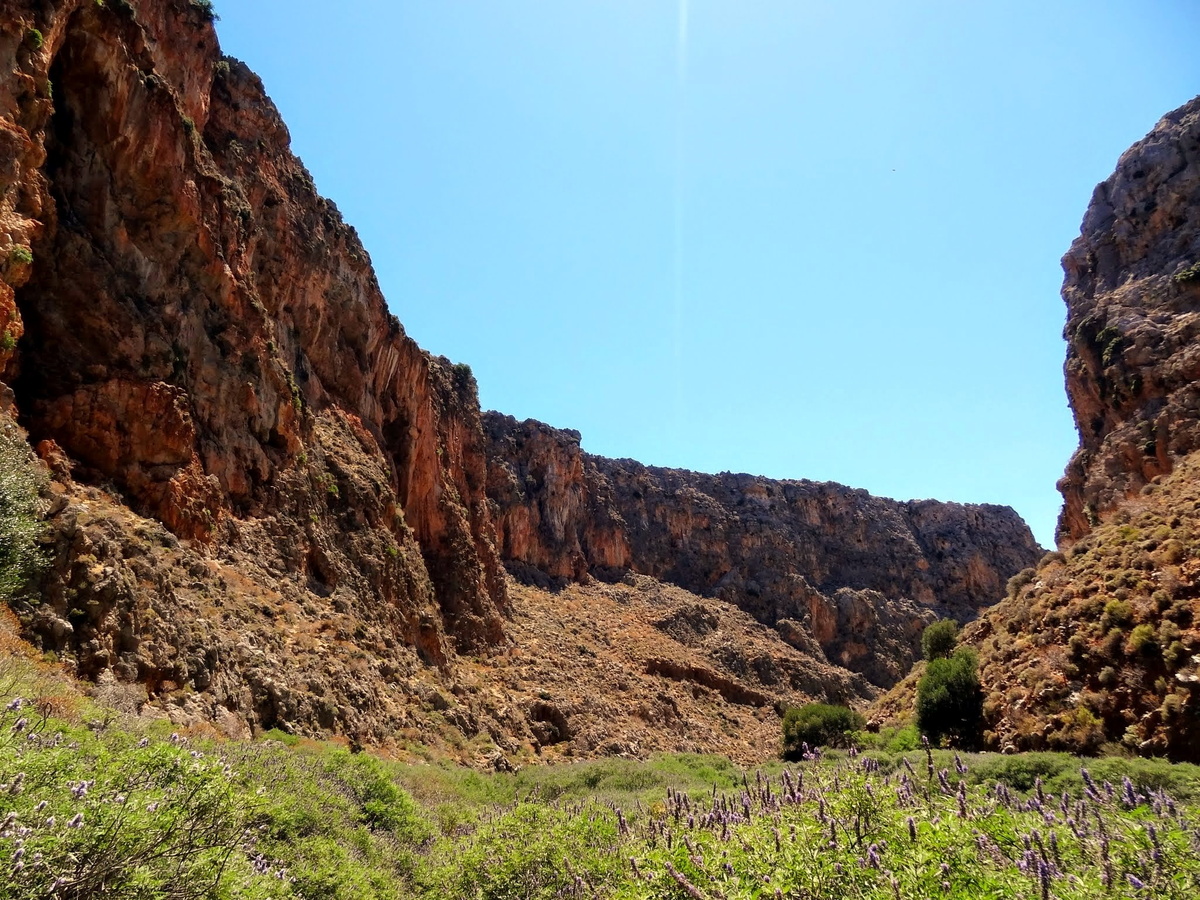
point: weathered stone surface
(191, 327)
(862, 575)
(1133, 319)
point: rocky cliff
(1132, 291)
(190, 327)
(1100, 644)
(835, 570)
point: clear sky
(798, 238)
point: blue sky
(798, 238)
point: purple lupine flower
(873, 856)
(76, 822)
(1136, 883)
(912, 829)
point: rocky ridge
(839, 573)
(1132, 291)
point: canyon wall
(827, 565)
(189, 326)
(1132, 292)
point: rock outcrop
(189, 325)
(1100, 644)
(836, 570)
(1132, 291)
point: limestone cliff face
(187, 324)
(829, 566)
(1132, 291)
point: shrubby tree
(818, 725)
(940, 639)
(949, 699)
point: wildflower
(912, 828)
(15, 705)
(1136, 883)
(76, 822)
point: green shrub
(940, 639)
(8, 343)
(1020, 580)
(205, 8)
(950, 701)
(20, 483)
(1117, 614)
(818, 725)
(1190, 275)
(34, 39)
(1142, 641)
(21, 256)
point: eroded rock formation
(1132, 291)
(833, 568)
(190, 325)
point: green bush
(205, 8)
(1190, 275)
(819, 725)
(1020, 580)
(34, 38)
(20, 483)
(1143, 641)
(21, 256)
(940, 639)
(1117, 614)
(950, 701)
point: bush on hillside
(20, 482)
(818, 725)
(950, 700)
(940, 639)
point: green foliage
(940, 639)
(949, 699)
(1143, 640)
(819, 725)
(34, 39)
(530, 852)
(205, 8)
(1190, 275)
(1020, 580)
(8, 343)
(21, 256)
(20, 483)
(1117, 614)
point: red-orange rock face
(860, 575)
(1132, 354)
(195, 328)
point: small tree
(950, 700)
(940, 639)
(818, 725)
